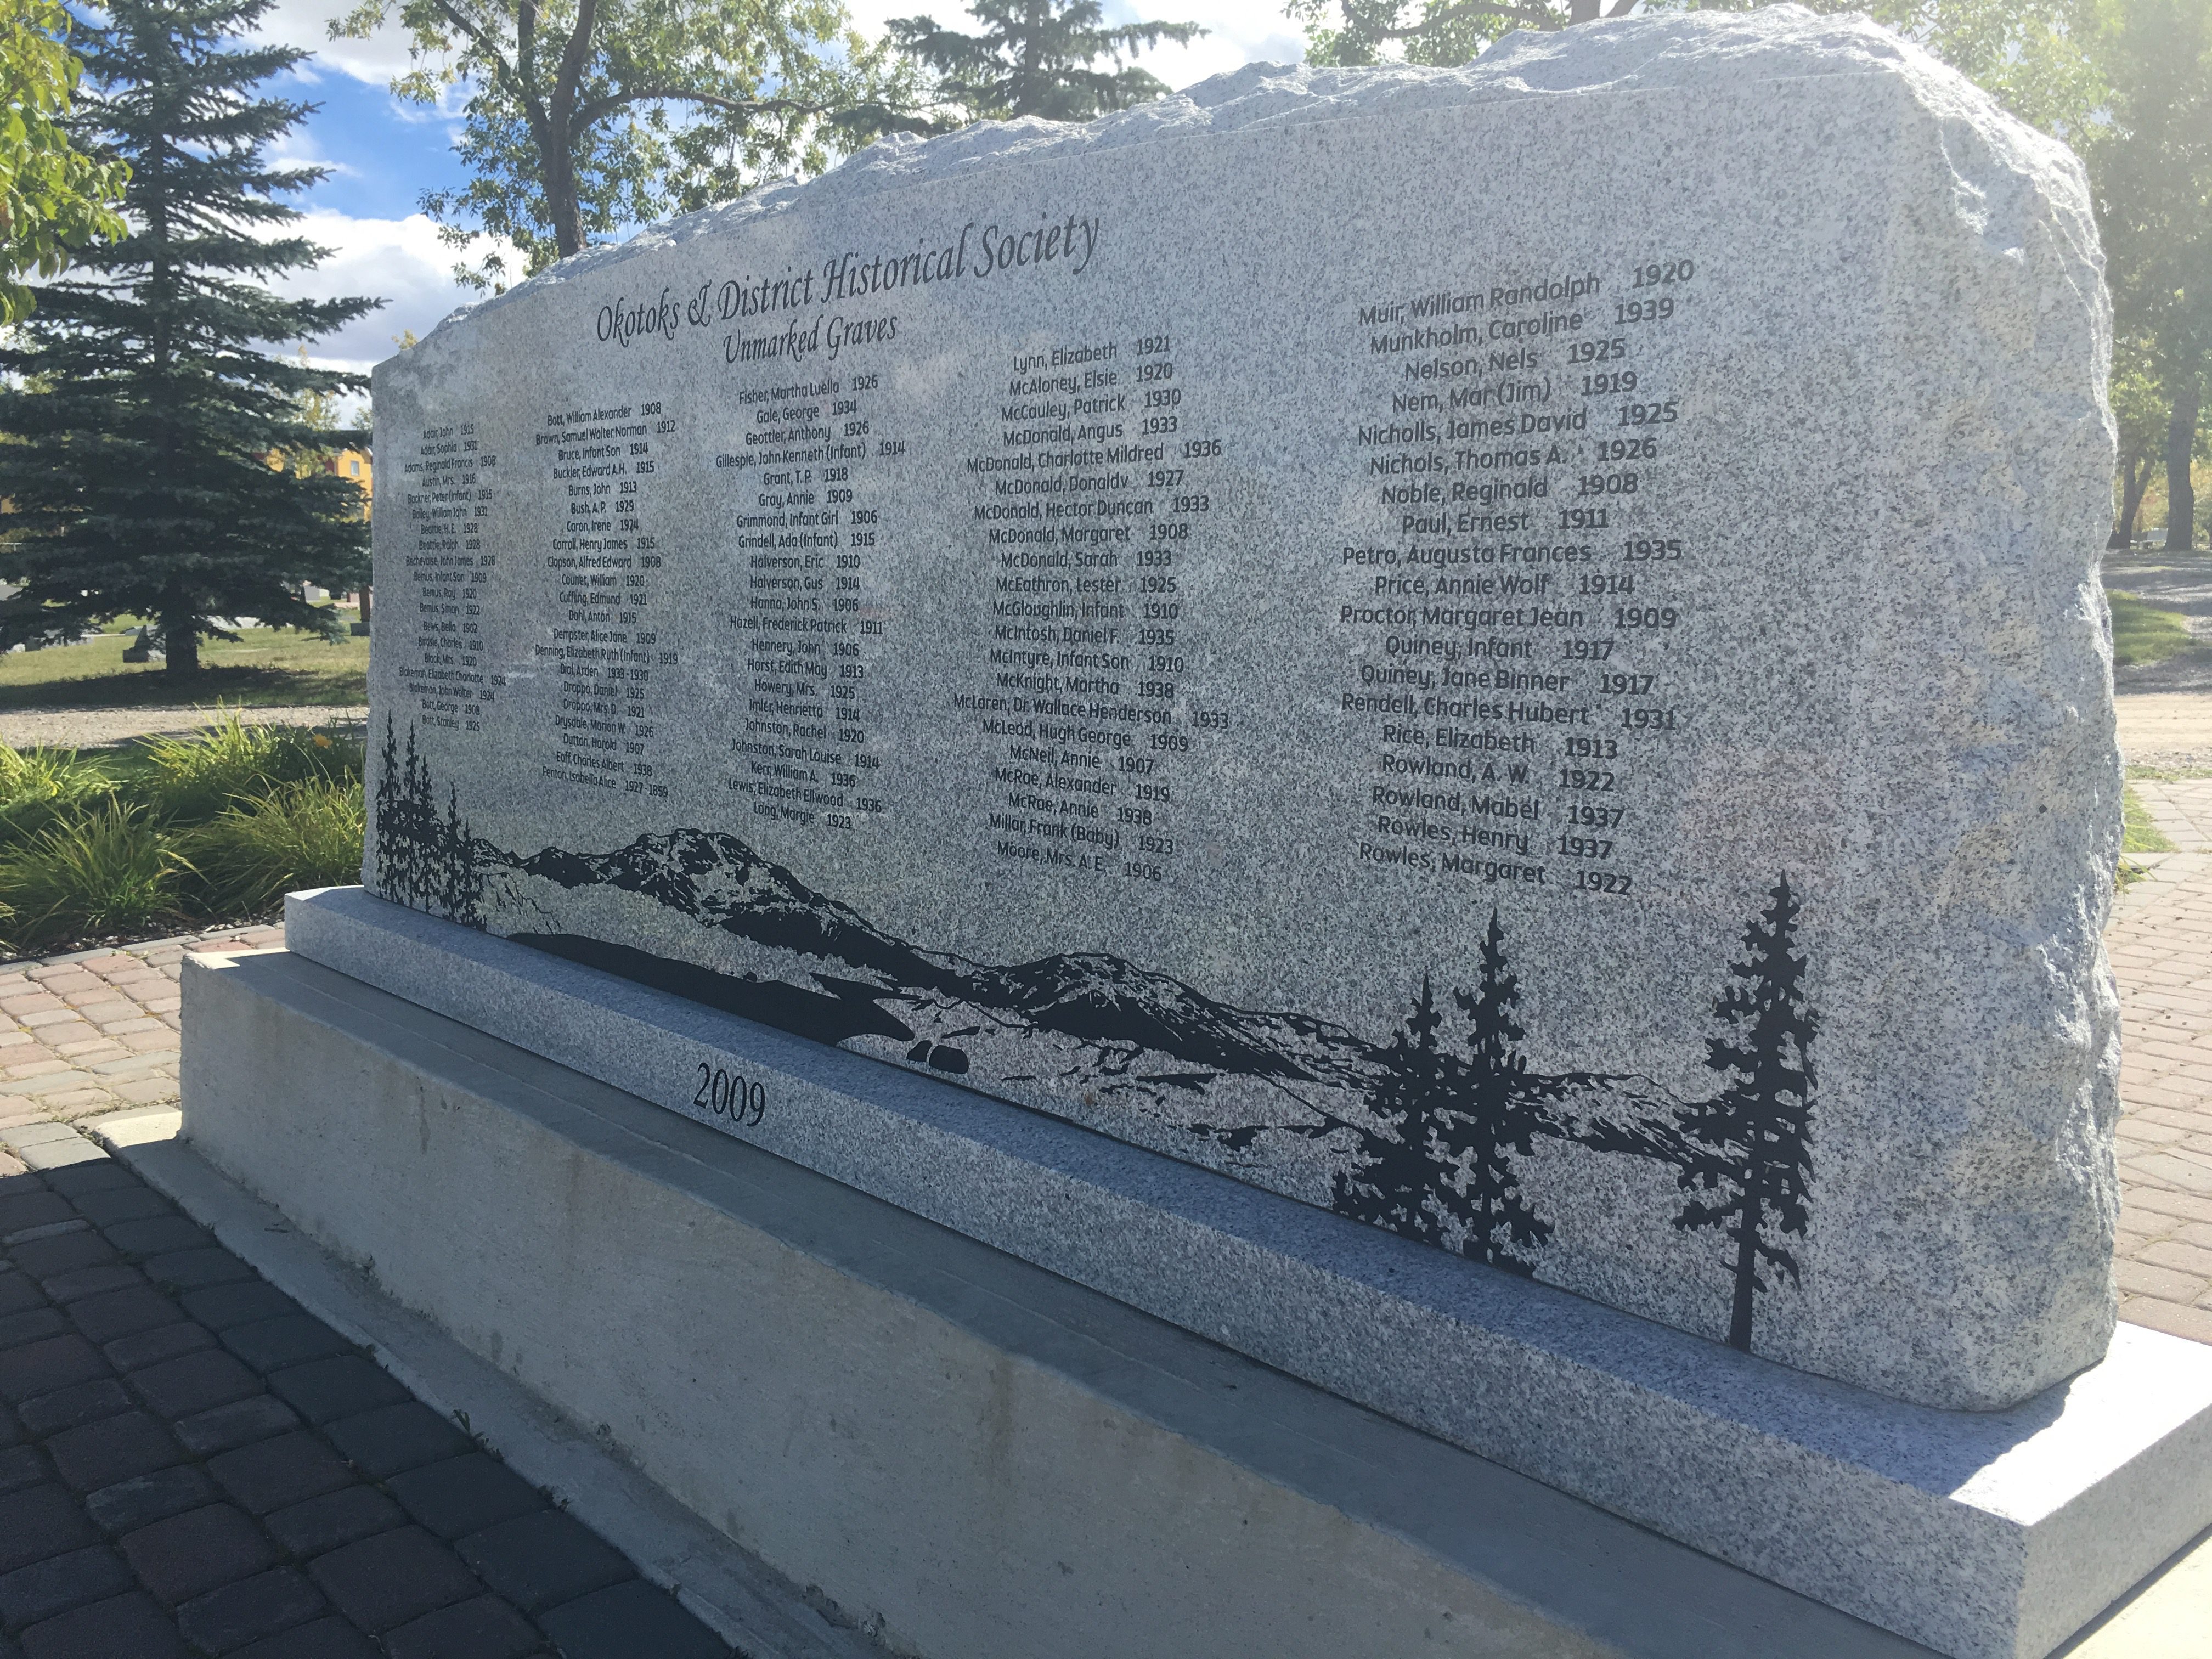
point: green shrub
(306, 834)
(37, 785)
(109, 870)
(192, 779)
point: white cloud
(307, 24)
(301, 148)
(400, 260)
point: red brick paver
(96, 1032)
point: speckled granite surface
(1978, 1534)
(1511, 652)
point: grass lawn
(2139, 831)
(268, 666)
(2141, 633)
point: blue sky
(383, 152)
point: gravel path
(96, 728)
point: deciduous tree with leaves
(1039, 58)
(145, 404)
(2024, 50)
(2150, 164)
(2140, 410)
(54, 197)
(583, 117)
(1349, 33)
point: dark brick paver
(193, 1467)
(130, 1623)
(396, 1438)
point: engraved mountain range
(1435, 1133)
(1092, 1028)
(1092, 998)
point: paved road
(2165, 709)
(2183, 584)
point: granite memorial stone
(1513, 653)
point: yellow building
(345, 463)
(351, 464)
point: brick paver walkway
(94, 1032)
(191, 1465)
(2161, 940)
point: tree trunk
(2135, 479)
(181, 636)
(2187, 390)
(1747, 1277)
(560, 205)
(1582, 11)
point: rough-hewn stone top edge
(1672, 52)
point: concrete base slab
(955, 1452)
(1985, 1536)
(766, 1617)
(735, 1594)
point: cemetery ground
(264, 667)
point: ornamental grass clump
(193, 779)
(174, 833)
(37, 785)
(106, 873)
(258, 849)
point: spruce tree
(1750, 1146)
(1035, 58)
(145, 409)
(1495, 1112)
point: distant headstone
(1513, 653)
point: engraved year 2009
(733, 1095)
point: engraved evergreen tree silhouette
(1496, 1110)
(460, 877)
(1750, 1153)
(424, 859)
(387, 806)
(1386, 1184)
